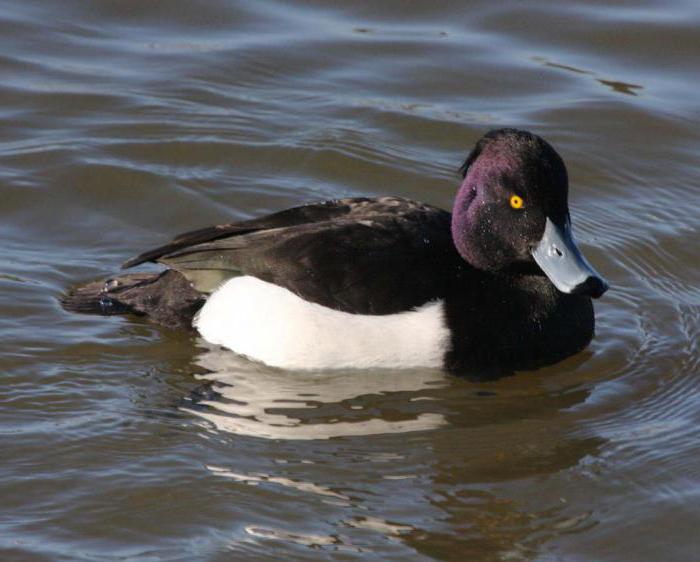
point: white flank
(273, 325)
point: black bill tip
(593, 287)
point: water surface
(124, 123)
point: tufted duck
(497, 285)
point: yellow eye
(516, 202)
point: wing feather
(313, 212)
(367, 256)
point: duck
(497, 285)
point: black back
(364, 256)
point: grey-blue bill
(563, 263)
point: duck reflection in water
(486, 445)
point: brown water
(125, 122)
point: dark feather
(165, 297)
(314, 212)
(365, 256)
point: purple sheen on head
(465, 225)
(460, 218)
(505, 162)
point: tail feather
(167, 298)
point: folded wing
(364, 256)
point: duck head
(512, 209)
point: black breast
(501, 323)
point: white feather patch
(271, 324)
